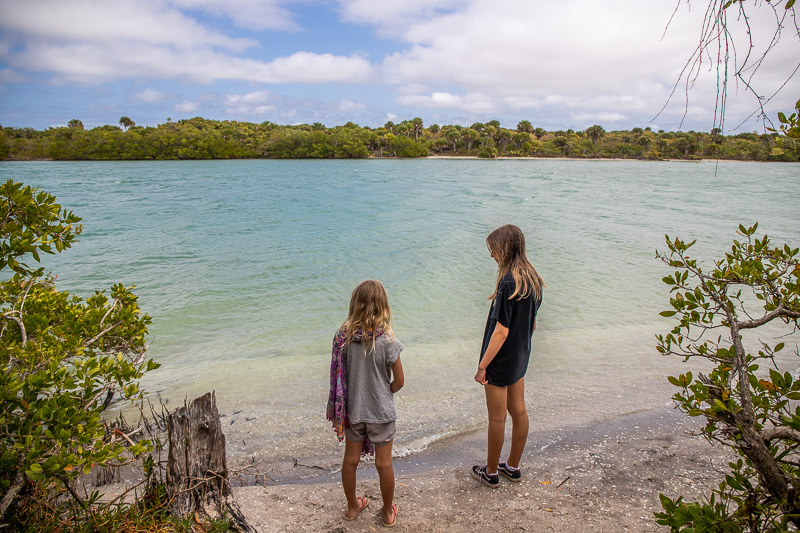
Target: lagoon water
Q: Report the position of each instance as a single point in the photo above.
(247, 267)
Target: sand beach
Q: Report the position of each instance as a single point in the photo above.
(602, 477)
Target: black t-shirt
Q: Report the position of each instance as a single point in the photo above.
(511, 362)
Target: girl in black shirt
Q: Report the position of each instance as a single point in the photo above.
(506, 350)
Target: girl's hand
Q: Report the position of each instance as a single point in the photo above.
(480, 376)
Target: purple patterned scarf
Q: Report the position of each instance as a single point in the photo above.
(337, 398)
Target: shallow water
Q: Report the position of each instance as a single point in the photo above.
(247, 269)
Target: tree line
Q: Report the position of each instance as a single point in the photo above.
(200, 138)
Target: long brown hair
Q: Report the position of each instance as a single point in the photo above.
(507, 245)
(369, 312)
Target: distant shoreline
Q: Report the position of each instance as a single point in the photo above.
(392, 158)
(199, 138)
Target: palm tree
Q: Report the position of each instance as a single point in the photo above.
(454, 136)
(416, 126)
(126, 123)
(470, 136)
(524, 126)
(595, 133)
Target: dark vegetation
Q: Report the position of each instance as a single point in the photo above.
(200, 138)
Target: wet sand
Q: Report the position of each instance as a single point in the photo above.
(603, 476)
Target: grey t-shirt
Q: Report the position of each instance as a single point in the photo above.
(369, 398)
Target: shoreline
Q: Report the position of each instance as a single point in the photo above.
(392, 158)
(603, 476)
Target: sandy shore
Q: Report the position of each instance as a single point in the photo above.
(602, 477)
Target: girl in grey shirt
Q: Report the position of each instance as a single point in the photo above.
(373, 374)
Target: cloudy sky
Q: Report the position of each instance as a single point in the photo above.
(560, 65)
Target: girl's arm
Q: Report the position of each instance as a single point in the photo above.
(397, 374)
(499, 336)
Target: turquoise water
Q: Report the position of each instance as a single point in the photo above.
(247, 269)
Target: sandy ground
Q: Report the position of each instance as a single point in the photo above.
(604, 477)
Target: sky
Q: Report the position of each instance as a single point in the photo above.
(565, 64)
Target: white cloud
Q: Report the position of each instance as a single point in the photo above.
(599, 118)
(307, 67)
(149, 95)
(249, 98)
(472, 102)
(251, 14)
(245, 110)
(95, 41)
(460, 60)
(254, 103)
(187, 107)
(350, 105)
(98, 21)
(8, 75)
(85, 63)
(560, 47)
(595, 59)
(392, 16)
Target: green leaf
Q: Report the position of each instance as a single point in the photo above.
(666, 503)
(667, 313)
(721, 405)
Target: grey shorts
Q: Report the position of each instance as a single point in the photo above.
(379, 434)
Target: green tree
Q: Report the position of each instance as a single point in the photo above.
(63, 358)
(595, 133)
(75, 124)
(416, 127)
(32, 223)
(454, 136)
(789, 128)
(752, 411)
(524, 126)
(470, 136)
(126, 123)
(520, 139)
(503, 137)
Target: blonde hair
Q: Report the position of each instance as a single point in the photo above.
(507, 245)
(369, 313)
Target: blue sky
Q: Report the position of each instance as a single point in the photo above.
(560, 65)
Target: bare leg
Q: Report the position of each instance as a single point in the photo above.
(496, 399)
(519, 421)
(383, 462)
(352, 455)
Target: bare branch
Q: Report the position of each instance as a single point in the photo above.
(110, 308)
(106, 330)
(779, 312)
(18, 319)
(781, 433)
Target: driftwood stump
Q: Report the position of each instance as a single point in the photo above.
(197, 474)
